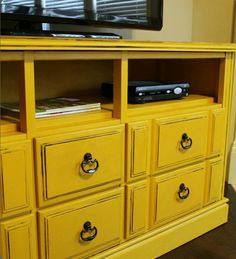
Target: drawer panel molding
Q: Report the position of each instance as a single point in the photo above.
(180, 140)
(177, 193)
(138, 150)
(137, 203)
(16, 179)
(19, 238)
(80, 164)
(82, 228)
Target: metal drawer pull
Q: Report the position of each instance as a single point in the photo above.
(183, 191)
(88, 161)
(186, 141)
(89, 232)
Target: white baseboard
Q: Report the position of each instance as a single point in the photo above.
(232, 167)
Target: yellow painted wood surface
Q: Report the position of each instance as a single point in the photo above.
(63, 226)
(170, 146)
(218, 131)
(214, 183)
(137, 208)
(133, 197)
(58, 178)
(8, 125)
(160, 241)
(16, 178)
(138, 150)
(169, 201)
(15, 43)
(19, 238)
(73, 172)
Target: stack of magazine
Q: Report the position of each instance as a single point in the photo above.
(53, 107)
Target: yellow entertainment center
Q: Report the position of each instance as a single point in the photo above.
(148, 190)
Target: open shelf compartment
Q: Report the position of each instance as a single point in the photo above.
(11, 92)
(203, 75)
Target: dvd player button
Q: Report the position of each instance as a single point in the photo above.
(178, 90)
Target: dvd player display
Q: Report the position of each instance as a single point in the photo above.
(148, 91)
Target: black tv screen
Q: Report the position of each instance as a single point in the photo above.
(22, 16)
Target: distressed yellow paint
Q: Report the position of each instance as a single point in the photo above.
(132, 198)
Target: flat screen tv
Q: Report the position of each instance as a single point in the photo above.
(41, 17)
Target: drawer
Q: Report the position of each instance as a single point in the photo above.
(180, 139)
(82, 228)
(16, 179)
(18, 238)
(80, 162)
(177, 193)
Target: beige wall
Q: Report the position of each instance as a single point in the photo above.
(212, 20)
(192, 20)
(177, 23)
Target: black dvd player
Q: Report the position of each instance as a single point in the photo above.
(148, 91)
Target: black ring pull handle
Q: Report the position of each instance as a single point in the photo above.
(186, 142)
(183, 191)
(89, 161)
(89, 232)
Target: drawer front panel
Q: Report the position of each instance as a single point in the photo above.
(16, 178)
(78, 164)
(65, 228)
(181, 139)
(19, 238)
(181, 192)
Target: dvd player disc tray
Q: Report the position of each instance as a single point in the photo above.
(148, 91)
